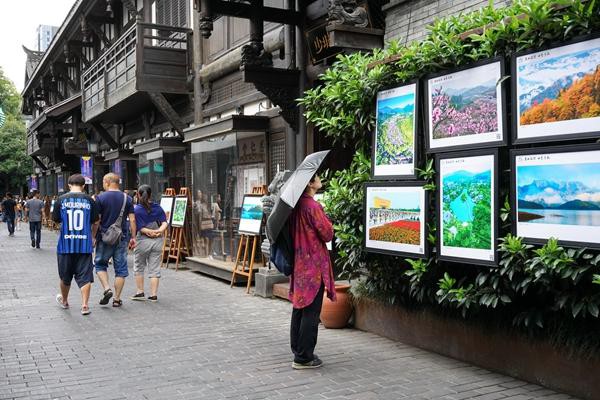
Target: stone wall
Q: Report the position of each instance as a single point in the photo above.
(407, 20)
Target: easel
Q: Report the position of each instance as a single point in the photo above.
(178, 240)
(246, 266)
(165, 251)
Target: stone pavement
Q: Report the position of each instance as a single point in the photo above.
(202, 340)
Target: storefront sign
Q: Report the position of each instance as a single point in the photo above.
(319, 47)
(252, 149)
(87, 169)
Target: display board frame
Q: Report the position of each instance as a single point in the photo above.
(424, 214)
(179, 223)
(539, 153)
(492, 259)
(501, 138)
(417, 133)
(167, 203)
(250, 230)
(561, 126)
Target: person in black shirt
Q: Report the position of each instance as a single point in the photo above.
(9, 208)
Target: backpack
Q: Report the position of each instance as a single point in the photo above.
(282, 252)
(114, 232)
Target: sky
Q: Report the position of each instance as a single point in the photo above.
(18, 23)
(399, 200)
(397, 102)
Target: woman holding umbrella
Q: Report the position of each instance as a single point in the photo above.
(310, 230)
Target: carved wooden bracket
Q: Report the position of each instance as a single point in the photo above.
(167, 110)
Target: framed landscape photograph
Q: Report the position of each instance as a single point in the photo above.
(556, 193)
(556, 93)
(465, 107)
(166, 203)
(395, 139)
(396, 219)
(179, 211)
(251, 215)
(467, 207)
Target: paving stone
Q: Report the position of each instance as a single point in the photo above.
(202, 341)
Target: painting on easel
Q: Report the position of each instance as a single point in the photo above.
(166, 203)
(252, 215)
(179, 210)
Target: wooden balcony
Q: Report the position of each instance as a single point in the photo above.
(146, 58)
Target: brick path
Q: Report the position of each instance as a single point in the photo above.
(202, 340)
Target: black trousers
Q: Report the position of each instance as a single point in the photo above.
(304, 329)
(35, 231)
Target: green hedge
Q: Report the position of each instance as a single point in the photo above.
(548, 291)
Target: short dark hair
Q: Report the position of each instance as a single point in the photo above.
(9, 195)
(77, 180)
(35, 192)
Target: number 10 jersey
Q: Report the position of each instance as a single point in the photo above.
(77, 212)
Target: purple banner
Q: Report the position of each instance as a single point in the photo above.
(87, 169)
(34, 182)
(60, 182)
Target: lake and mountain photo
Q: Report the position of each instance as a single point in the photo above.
(467, 208)
(395, 129)
(562, 86)
(566, 194)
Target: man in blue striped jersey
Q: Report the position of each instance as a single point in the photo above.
(78, 215)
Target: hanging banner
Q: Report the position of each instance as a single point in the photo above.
(34, 182)
(117, 168)
(60, 182)
(87, 169)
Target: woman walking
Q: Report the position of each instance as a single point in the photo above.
(310, 229)
(151, 223)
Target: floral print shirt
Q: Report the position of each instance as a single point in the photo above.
(310, 229)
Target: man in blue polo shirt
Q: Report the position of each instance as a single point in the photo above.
(113, 205)
(78, 215)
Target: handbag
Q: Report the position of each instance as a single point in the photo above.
(114, 232)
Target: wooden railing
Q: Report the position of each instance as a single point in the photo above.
(147, 57)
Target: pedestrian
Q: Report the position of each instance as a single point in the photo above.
(19, 213)
(310, 229)
(114, 207)
(78, 215)
(151, 222)
(34, 208)
(9, 208)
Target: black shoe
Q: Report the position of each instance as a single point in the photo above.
(153, 299)
(33, 243)
(316, 363)
(37, 246)
(106, 297)
(139, 297)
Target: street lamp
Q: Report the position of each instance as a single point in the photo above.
(92, 144)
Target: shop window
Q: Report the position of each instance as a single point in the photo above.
(224, 168)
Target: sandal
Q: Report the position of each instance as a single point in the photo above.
(106, 297)
(85, 310)
(59, 300)
(117, 303)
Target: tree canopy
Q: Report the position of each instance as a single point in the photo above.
(15, 165)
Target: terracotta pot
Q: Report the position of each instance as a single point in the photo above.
(335, 314)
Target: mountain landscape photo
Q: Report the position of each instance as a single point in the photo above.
(459, 109)
(561, 88)
(559, 194)
(395, 130)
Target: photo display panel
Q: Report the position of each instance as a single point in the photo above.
(467, 216)
(466, 108)
(179, 211)
(557, 96)
(395, 219)
(557, 194)
(166, 203)
(252, 215)
(395, 140)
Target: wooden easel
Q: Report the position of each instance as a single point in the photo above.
(245, 265)
(178, 240)
(167, 239)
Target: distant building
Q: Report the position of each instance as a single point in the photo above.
(43, 36)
